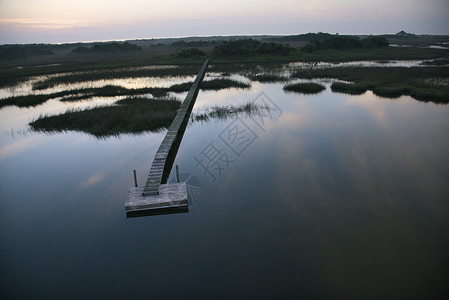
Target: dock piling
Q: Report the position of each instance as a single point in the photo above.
(135, 178)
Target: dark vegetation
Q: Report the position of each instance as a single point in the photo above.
(228, 111)
(268, 78)
(214, 84)
(222, 83)
(348, 88)
(191, 52)
(134, 115)
(343, 43)
(389, 82)
(195, 44)
(28, 100)
(250, 47)
(306, 37)
(131, 115)
(108, 47)
(21, 51)
(305, 88)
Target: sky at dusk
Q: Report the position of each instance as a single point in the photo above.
(56, 21)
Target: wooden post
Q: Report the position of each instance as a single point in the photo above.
(135, 177)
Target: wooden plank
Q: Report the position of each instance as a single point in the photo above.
(161, 164)
(170, 195)
(157, 195)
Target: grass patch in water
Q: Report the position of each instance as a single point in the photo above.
(389, 82)
(348, 88)
(228, 111)
(75, 98)
(305, 88)
(391, 92)
(224, 83)
(26, 101)
(268, 78)
(214, 84)
(131, 115)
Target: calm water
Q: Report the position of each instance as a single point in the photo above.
(330, 196)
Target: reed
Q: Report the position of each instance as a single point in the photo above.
(131, 115)
(305, 88)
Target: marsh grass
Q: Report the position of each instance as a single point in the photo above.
(348, 88)
(130, 115)
(12, 81)
(28, 100)
(228, 111)
(223, 83)
(391, 82)
(76, 98)
(135, 115)
(305, 88)
(214, 84)
(391, 91)
(271, 78)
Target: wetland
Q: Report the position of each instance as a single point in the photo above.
(316, 172)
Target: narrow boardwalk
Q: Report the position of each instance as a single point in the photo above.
(157, 193)
(175, 132)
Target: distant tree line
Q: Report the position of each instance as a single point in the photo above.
(341, 43)
(108, 47)
(250, 47)
(306, 37)
(195, 44)
(20, 51)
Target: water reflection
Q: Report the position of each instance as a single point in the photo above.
(17, 146)
(129, 83)
(26, 88)
(353, 183)
(340, 197)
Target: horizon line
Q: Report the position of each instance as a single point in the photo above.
(206, 36)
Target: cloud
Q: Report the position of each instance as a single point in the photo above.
(94, 179)
(18, 147)
(43, 24)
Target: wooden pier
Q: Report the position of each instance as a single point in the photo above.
(157, 193)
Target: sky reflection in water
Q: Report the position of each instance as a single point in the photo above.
(341, 196)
